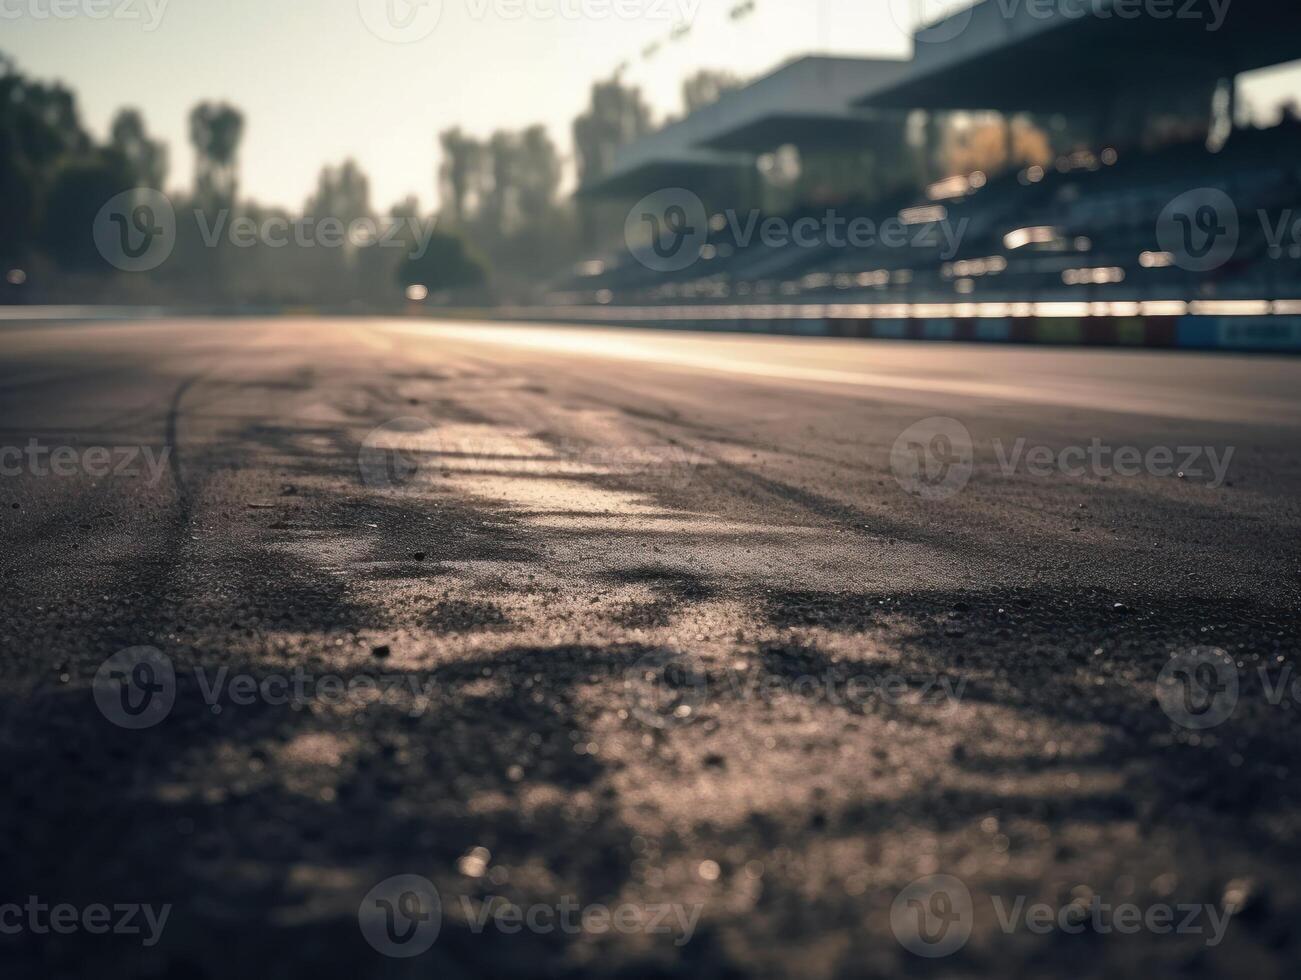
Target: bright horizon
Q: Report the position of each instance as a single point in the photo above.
(317, 87)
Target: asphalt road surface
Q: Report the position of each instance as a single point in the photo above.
(649, 654)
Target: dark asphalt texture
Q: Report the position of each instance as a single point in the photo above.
(644, 621)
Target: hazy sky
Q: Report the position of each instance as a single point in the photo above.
(317, 86)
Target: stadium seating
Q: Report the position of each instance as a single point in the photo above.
(1083, 229)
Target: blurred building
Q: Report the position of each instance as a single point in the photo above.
(1065, 154)
(790, 137)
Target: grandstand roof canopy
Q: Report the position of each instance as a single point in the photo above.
(805, 102)
(1061, 55)
(693, 170)
(808, 132)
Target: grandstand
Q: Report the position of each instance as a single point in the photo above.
(1084, 56)
(807, 103)
(1078, 237)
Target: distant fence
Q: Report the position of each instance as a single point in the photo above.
(1211, 326)
(1229, 326)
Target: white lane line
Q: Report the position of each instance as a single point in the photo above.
(673, 353)
(368, 336)
(569, 342)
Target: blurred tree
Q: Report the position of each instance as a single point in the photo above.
(342, 192)
(147, 158)
(446, 265)
(616, 115)
(39, 132)
(539, 176)
(377, 278)
(408, 207)
(526, 173)
(502, 195)
(463, 176)
(343, 196)
(524, 228)
(501, 214)
(78, 193)
(216, 131)
(707, 86)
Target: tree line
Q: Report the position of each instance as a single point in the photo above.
(502, 229)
